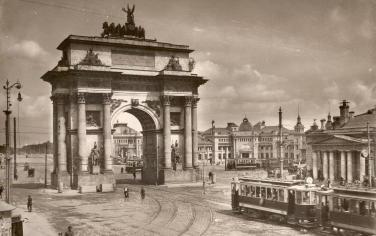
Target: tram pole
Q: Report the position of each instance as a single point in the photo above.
(370, 159)
(280, 141)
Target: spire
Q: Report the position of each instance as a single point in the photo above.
(299, 119)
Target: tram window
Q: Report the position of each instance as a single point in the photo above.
(281, 195)
(305, 197)
(373, 209)
(354, 206)
(275, 195)
(336, 204)
(247, 190)
(363, 208)
(313, 198)
(298, 197)
(263, 192)
(257, 191)
(253, 191)
(242, 190)
(269, 193)
(345, 205)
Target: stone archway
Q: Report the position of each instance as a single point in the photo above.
(98, 77)
(151, 135)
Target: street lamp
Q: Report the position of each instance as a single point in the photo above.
(19, 99)
(7, 112)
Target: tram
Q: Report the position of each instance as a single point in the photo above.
(352, 208)
(290, 201)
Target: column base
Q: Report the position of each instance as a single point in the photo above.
(63, 177)
(101, 182)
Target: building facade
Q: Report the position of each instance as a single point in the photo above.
(339, 148)
(260, 143)
(127, 142)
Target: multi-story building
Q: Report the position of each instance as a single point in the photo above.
(259, 142)
(340, 148)
(127, 142)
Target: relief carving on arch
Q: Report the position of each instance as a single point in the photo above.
(115, 103)
(155, 105)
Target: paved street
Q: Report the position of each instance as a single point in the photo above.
(173, 210)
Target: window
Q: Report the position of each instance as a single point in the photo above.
(258, 189)
(281, 195)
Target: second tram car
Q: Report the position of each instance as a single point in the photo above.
(352, 208)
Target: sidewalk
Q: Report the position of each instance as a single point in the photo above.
(35, 223)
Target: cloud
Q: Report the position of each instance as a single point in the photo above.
(26, 48)
(36, 107)
(197, 29)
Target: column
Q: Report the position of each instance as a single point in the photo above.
(331, 166)
(166, 132)
(107, 131)
(362, 169)
(81, 131)
(343, 164)
(194, 133)
(61, 134)
(188, 133)
(349, 167)
(325, 165)
(226, 153)
(54, 130)
(314, 165)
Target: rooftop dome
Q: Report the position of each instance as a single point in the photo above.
(245, 125)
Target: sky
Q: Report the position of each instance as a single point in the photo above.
(257, 54)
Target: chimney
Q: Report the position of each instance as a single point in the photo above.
(344, 112)
(351, 114)
(322, 124)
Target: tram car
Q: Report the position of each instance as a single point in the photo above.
(290, 201)
(351, 209)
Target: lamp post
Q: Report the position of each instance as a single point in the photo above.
(19, 99)
(7, 112)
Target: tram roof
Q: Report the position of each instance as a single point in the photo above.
(355, 191)
(273, 181)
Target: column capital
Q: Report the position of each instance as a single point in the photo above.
(166, 100)
(81, 98)
(59, 98)
(188, 101)
(195, 101)
(106, 98)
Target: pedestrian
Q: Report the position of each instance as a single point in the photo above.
(29, 204)
(134, 175)
(126, 194)
(69, 232)
(1, 191)
(142, 193)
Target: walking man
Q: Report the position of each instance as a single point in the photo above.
(126, 194)
(142, 193)
(69, 232)
(29, 204)
(134, 175)
(1, 191)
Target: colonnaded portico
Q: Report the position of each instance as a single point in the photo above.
(99, 78)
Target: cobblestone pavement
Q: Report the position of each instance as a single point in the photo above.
(165, 211)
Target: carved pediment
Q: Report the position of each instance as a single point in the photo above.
(341, 140)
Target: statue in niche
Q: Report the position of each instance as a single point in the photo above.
(175, 155)
(95, 159)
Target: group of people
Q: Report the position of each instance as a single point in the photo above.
(126, 193)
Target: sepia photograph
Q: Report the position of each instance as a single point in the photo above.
(195, 117)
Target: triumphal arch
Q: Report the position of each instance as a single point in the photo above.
(99, 78)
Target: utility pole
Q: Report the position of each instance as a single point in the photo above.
(7, 112)
(370, 159)
(280, 140)
(156, 182)
(15, 149)
(45, 167)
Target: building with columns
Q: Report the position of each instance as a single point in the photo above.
(100, 77)
(339, 147)
(127, 142)
(258, 142)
